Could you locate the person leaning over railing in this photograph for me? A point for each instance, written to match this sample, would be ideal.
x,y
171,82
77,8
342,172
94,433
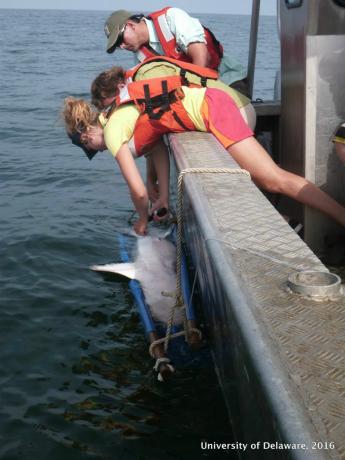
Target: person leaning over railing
x,y
173,33
103,87
103,90
136,123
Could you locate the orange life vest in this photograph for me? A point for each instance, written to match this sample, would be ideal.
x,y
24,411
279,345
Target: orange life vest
x,y
168,42
160,106
152,96
148,131
203,72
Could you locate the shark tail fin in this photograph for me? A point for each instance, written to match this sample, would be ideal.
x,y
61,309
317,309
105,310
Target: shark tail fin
x,y
126,269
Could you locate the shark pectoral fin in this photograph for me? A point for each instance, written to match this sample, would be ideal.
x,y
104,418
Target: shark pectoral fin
x,y
126,269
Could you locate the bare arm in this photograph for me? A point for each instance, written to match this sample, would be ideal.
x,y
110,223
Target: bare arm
x,y
189,34
198,54
151,179
136,187
160,159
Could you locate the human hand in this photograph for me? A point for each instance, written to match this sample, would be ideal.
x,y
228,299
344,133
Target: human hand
x,y
158,204
159,211
161,215
140,226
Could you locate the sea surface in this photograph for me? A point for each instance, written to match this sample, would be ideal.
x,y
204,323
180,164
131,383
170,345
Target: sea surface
x,y
76,380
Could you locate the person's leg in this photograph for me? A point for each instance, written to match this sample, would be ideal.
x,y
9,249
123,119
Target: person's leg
x,y
224,121
250,155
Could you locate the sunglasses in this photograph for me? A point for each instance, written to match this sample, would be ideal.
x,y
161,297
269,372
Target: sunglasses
x,y
119,40
135,18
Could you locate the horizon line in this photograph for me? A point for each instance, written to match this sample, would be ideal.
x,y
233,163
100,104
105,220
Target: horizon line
x,y
94,9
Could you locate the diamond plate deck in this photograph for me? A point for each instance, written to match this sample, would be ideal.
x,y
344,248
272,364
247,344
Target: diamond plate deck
x,y
243,251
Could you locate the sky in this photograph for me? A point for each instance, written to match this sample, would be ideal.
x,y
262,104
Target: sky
x,y
268,7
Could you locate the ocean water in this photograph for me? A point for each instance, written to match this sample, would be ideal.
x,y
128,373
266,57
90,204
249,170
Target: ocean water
x,y
75,376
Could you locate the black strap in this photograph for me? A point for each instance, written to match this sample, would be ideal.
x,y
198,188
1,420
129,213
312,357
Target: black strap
x,y
180,122
183,72
165,94
162,102
165,105
148,103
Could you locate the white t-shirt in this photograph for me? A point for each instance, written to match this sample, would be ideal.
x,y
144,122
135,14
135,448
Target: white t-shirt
x,y
189,30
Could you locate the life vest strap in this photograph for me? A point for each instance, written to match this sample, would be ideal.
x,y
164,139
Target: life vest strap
x,y
148,101
150,49
161,102
165,94
182,67
185,82
179,121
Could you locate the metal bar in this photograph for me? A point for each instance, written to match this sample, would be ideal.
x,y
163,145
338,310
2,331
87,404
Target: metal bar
x,y
254,25
267,338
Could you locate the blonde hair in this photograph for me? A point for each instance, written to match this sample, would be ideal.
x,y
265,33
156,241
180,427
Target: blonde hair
x,y
105,85
78,115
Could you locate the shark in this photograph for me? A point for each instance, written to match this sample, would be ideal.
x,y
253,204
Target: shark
x,y
154,267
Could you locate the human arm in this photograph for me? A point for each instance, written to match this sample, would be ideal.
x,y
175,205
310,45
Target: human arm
x,y
189,34
198,54
159,157
136,187
151,179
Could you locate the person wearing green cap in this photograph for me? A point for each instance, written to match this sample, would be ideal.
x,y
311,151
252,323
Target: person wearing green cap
x,y
173,33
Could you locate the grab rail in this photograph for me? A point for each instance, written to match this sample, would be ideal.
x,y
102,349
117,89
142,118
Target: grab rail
x,y
254,24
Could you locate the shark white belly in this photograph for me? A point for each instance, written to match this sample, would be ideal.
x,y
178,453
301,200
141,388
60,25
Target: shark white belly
x,y
155,269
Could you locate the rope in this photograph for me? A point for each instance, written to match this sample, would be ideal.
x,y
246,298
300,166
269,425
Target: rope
x,y
156,367
159,361
179,297
157,342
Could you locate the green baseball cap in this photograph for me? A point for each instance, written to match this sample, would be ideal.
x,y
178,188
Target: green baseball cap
x,y
113,25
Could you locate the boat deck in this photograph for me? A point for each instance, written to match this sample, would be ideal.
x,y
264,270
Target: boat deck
x,y
279,356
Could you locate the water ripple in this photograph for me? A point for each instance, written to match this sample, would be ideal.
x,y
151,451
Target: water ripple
x,y
76,379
